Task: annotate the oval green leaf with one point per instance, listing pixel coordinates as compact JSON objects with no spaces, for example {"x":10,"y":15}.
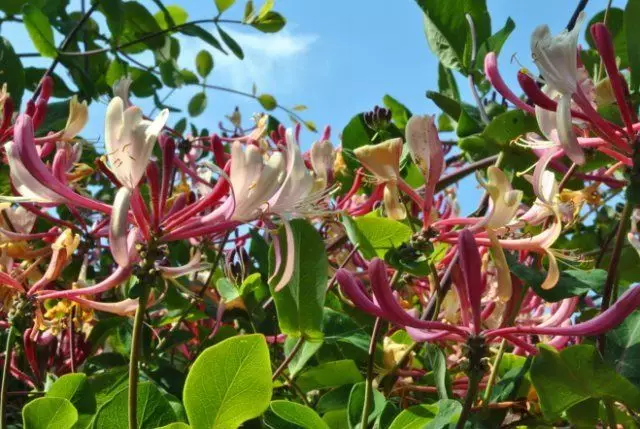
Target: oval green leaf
{"x":204,"y":63}
{"x":298,"y":414}
{"x":49,"y":413}
{"x":39,"y":30}
{"x":268,"y":101}
{"x":300,"y":303}
{"x":197,"y":104}
{"x":229,"y":383}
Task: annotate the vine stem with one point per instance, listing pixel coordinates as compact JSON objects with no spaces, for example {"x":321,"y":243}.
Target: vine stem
{"x":610,"y":286}
{"x":469,"y":399}
{"x":65,"y":44}
{"x":611,"y":414}
{"x":5,"y":377}
{"x":296,"y":348}
{"x":136,"y":342}
{"x":368,"y":387}
{"x":493,"y":375}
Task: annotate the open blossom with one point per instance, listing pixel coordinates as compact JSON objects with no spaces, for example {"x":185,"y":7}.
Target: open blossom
{"x":383,"y":161}
{"x":129,"y":141}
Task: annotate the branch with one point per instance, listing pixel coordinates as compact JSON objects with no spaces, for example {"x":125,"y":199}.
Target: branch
{"x":64,"y":45}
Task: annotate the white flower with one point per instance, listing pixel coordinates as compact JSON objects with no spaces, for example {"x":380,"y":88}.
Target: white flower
{"x":129,"y":140}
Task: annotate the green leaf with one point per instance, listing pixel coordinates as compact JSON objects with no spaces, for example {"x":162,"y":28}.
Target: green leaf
{"x":510,"y":125}
{"x":564,"y":379}
{"x":202,"y":34}
{"x":298,"y":414}
{"x":267,"y":101}
{"x":399,"y":112}
{"x":354,"y":135}
{"x":33,"y":76}
{"x":376,"y":235}
{"x":49,"y":413}
{"x":229,"y":383}
{"x":438,"y":363}
{"x":429,"y":416}
{"x":39,"y":30}
{"x":138,"y":23}
{"x":448,"y":105}
{"x":623,"y":348}
{"x":336,"y":419}
{"x":301,"y":358}
{"x":176,"y":13}
{"x":223,"y":5}
{"x":467,"y":125}
{"x":153,"y":409}
{"x":114,"y":13}
{"x":12,"y":7}
{"x":495,"y":42}
{"x":11,"y":71}
{"x":204,"y":63}
{"x":176,"y":425}
{"x":231,"y":43}
{"x":356,"y":404}
{"x":300,"y":303}
{"x":447,"y":29}
{"x":571,"y":282}
{"x":117,"y":70}
{"x":447,"y":84}
{"x":197,"y":104}
{"x":271,"y":22}
{"x":76,"y":389}
{"x":330,"y":374}
{"x":631,"y":19}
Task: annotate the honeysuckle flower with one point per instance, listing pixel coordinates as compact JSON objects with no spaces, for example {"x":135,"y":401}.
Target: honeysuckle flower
{"x":427,"y":153}
{"x":30,"y":188}
{"x":254,"y":180}
{"x":121,"y":89}
{"x":322,"y":160}
{"x":295,"y":196}
{"x":78,"y":117}
{"x":556,"y":58}
{"x":129,"y":140}
{"x":505,"y":201}
{"x":383,"y":161}
{"x":634,"y":235}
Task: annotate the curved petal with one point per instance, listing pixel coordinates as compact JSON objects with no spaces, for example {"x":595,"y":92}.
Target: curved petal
{"x":567,"y":137}
{"x":118,"y":227}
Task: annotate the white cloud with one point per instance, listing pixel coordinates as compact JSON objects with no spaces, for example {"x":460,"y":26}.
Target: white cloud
{"x":274,"y":62}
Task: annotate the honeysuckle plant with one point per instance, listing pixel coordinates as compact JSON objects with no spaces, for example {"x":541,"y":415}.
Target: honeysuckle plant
{"x":259,"y":275}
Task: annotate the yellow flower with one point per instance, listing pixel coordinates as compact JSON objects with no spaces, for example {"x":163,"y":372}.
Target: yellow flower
{"x":383,"y":161}
{"x":78,"y":118}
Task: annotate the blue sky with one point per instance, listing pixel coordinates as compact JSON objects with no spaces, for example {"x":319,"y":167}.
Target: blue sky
{"x":336,"y":57}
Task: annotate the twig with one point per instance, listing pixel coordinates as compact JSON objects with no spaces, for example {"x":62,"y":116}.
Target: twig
{"x":296,"y":348}
{"x":472,"y":84}
{"x":368,"y":387}
{"x":5,"y":377}
{"x":64,"y":45}
{"x":610,"y":286}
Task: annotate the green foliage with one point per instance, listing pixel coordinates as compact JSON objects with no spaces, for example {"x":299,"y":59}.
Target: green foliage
{"x":447,"y":30}
{"x":376,"y":235}
{"x":11,"y":71}
{"x":623,"y":348}
{"x":40,"y":30}
{"x":297,"y":415}
{"x":631,"y":16}
{"x":330,"y":374}
{"x":300,"y":302}
{"x":564,"y":379}
{"x":428,"y":416}
{"x":49,"y":413}
{"x":204,"y":63}
{"x":229,"y":383}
